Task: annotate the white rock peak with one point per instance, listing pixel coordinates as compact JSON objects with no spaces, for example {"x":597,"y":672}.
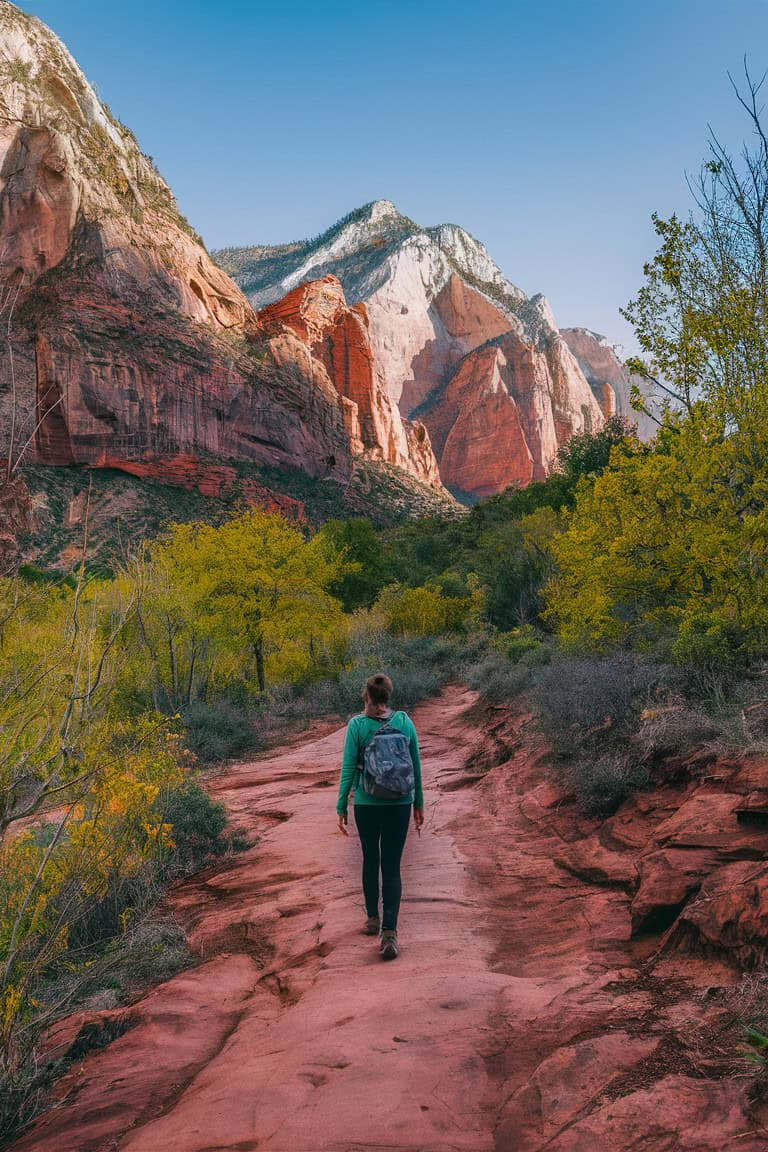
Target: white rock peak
{"x":382,"y":210}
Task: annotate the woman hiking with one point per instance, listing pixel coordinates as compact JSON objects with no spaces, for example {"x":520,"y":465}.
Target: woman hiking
{"x":382,"y":821}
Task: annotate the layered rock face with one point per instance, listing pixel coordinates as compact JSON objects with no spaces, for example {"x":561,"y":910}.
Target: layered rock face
{"x":455,"y":343}
{"x":504,"y":413}
{"x":398,"y":270}
{"x":608,"y":378}
{"x":339,"y":345}
{"x":130,"y":344}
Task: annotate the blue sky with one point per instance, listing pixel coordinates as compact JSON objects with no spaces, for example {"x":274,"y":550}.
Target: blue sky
{"x":549,"y":130}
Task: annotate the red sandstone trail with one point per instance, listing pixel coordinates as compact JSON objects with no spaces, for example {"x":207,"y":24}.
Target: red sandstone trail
{"x":516,"y":1018}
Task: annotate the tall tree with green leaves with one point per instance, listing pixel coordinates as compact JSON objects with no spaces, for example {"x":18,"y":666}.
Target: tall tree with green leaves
{"x":701,"y":317}
{"x":670,"y":544}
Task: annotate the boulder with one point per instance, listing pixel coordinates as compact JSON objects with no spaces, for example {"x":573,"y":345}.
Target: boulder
{"x":729,"y":916}
{"x":695,"y":841}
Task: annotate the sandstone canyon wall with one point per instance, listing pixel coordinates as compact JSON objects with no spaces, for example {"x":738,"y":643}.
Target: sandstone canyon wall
{"x":608,"y":378}
{"x":457,"y":345}
{"x":130,"y":345}
{"x":315,"y":316}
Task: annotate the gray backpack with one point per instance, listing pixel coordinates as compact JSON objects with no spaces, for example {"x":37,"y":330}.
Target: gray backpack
{"x":387,"y":769}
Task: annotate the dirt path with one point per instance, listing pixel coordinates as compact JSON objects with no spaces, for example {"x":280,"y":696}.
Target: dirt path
{"x":515,"y":1019}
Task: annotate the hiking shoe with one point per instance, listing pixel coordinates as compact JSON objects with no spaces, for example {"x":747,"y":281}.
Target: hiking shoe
{"x":372,"y":926}
{"x":388,"y":945}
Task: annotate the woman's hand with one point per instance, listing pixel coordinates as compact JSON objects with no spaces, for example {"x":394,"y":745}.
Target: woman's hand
{"x":343,"y":823}
{"x":418,"y":817}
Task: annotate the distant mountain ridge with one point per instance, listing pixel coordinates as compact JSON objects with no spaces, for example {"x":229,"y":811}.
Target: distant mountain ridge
{"x":365,"y":249}
{"x":362,"y":249}
{"x":454,"y":340}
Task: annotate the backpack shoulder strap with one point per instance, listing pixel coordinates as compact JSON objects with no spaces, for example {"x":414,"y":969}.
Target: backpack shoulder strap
{"x":361,"y":744}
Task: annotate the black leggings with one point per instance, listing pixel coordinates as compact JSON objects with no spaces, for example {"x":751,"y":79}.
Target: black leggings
{"x":383,"y":829}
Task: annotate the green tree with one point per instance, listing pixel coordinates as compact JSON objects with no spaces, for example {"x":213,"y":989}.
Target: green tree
{"x":670,"y":544}
{"x":245,"y":603}
{"x":701,"y":317}
{"x":669,"y":547}
{"x":588,"y":453}
{"x":367,"y":567}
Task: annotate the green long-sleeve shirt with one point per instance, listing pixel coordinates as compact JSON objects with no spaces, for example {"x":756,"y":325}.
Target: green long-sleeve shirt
{"x":359,"y":731}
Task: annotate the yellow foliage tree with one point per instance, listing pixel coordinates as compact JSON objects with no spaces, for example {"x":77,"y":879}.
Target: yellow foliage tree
{"x":422,"y":611}
{"x":671,"y":545}
{"x":78,"y":788}
{"x":246,"y":601}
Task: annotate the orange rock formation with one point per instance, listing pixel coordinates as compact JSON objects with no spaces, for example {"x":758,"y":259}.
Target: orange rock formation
{"x":335,"y":348}
{"x":506,"y":408}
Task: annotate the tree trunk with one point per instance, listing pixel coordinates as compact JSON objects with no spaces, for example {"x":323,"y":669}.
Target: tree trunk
{"x":258,"y":651}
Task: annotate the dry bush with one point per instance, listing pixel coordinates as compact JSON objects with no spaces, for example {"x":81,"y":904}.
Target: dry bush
{"x":601,"y":784}
{"x":673,"y":730}
{"x":590,"y":702}
{"x":590,"y":710}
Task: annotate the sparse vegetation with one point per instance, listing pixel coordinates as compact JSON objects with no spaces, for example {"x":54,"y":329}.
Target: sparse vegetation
{"x":219,"y":729}
{"x":260,"y":266}
{"x":18,"y":71}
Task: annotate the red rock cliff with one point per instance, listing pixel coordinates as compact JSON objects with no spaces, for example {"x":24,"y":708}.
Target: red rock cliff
{"x":339,"y":345}
{"x":506,"y":407}
{"x":130,"y":344}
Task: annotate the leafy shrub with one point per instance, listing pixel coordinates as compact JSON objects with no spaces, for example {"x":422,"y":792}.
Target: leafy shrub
{"x":103,"y":918}
{"x":520,"y":641}
{"x":197,"y":825}
{"x":365,"y":572}
{"x":495,"y":677}
{"x":422,"y":611}
{"x":589,"y":453}
{"x":711,"y":651}
{"x":218,"y":729}
{"x":413,"y":684}
{"x":499,"y":676}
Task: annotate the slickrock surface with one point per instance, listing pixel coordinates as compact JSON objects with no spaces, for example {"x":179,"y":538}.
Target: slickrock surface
{"x":520,"y":1015}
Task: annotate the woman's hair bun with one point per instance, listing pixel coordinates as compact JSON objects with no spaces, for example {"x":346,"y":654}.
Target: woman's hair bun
{"x":379,"y":688}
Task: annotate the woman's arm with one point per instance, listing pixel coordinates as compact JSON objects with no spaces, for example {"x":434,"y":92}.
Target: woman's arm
{"x":418,"y":796}
{"x":348,"y":767}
